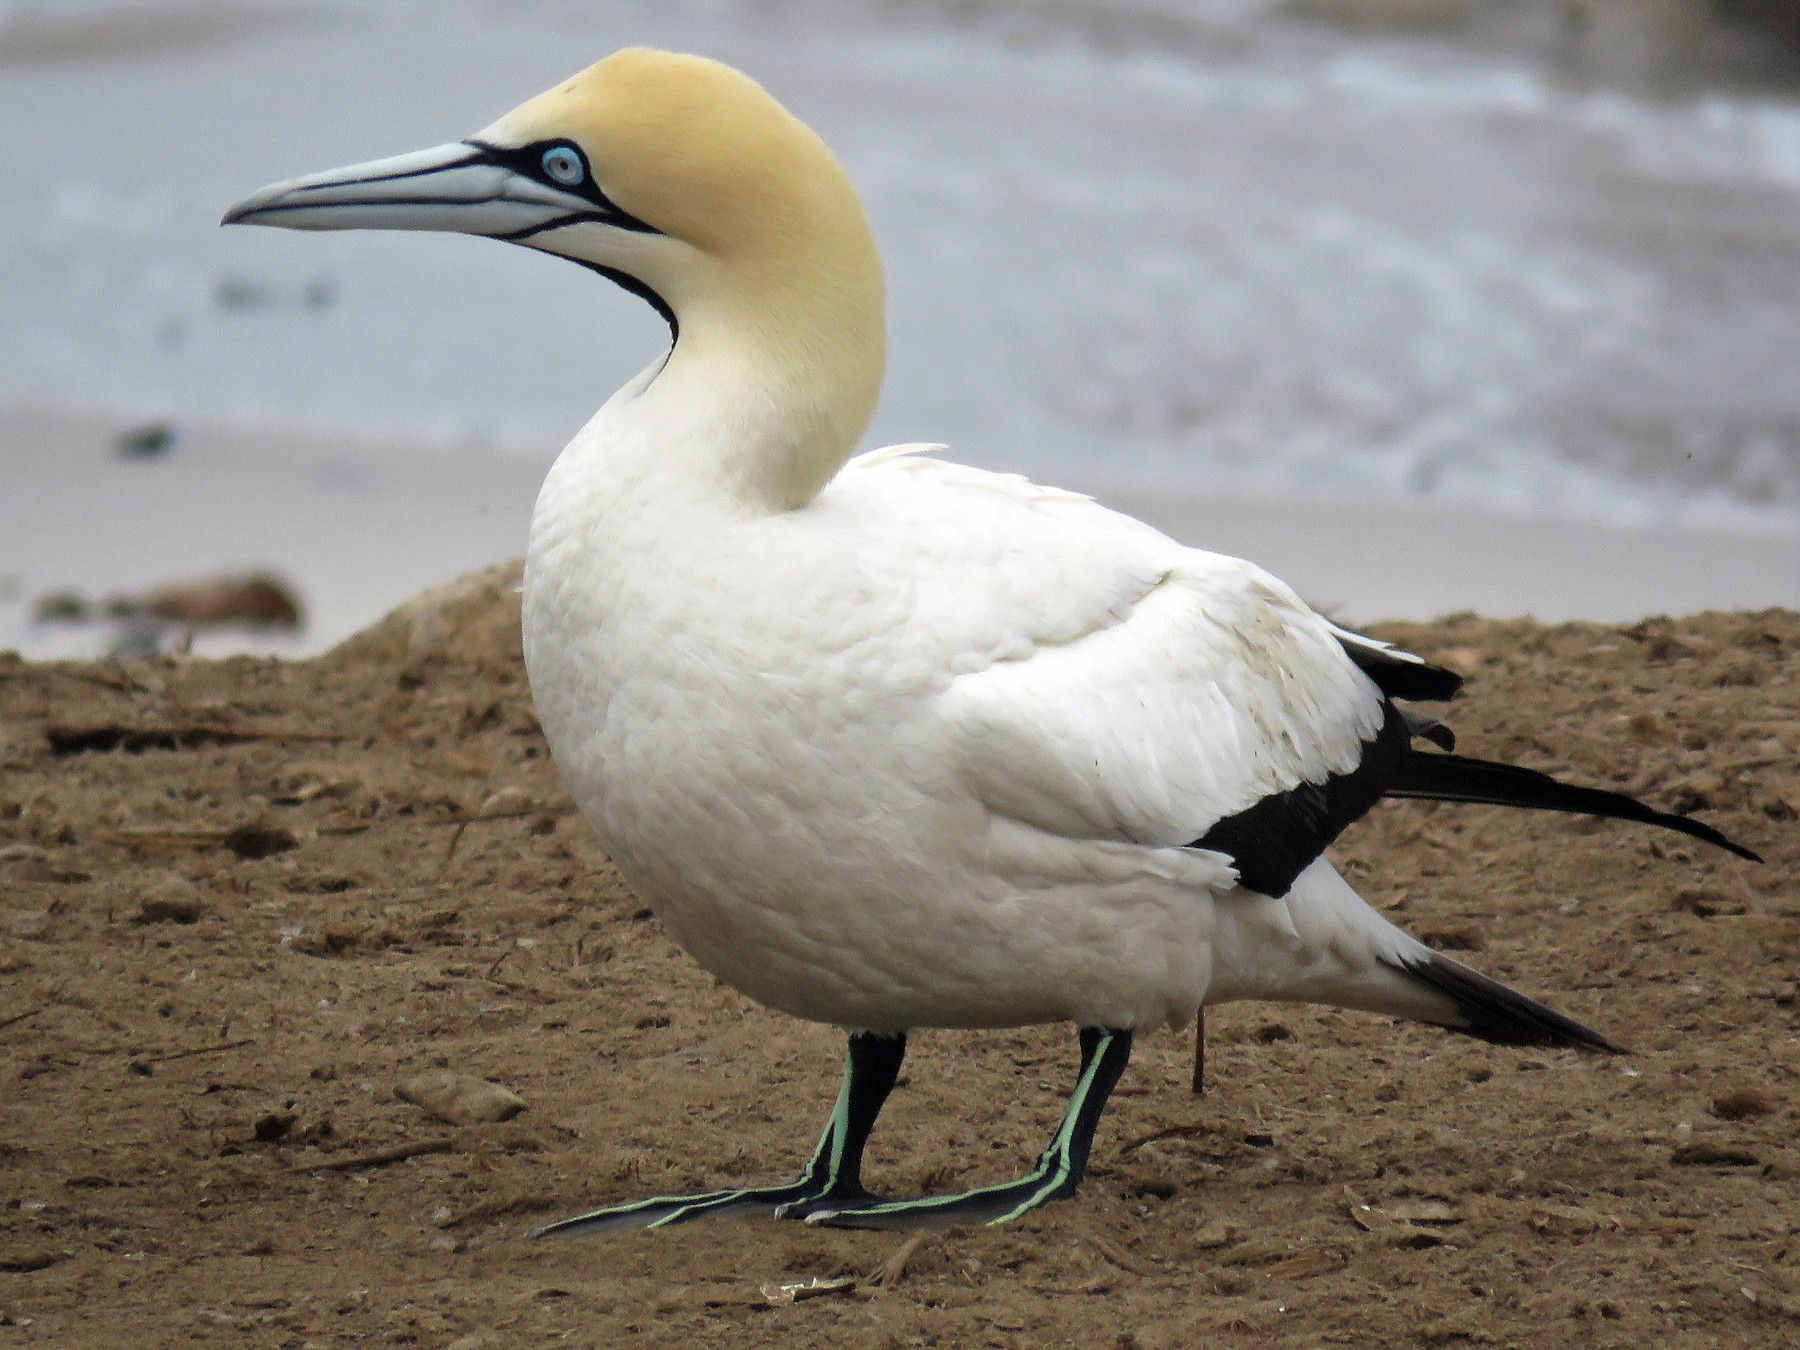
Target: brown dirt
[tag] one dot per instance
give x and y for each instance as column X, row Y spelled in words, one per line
column 286, row 887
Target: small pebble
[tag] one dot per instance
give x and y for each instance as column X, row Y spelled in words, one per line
column 460, row 1099
column 1743, row 1103
column 258, row 839
column 169, row 906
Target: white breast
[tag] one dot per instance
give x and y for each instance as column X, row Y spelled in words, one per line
column 921, row 753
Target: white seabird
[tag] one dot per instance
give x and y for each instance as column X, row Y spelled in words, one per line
column 886, row 741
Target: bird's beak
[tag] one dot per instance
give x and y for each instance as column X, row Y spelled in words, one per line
column 466, row 188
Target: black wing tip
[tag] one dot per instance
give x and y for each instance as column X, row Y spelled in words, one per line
column 1494, row 1013
column 1489, row 782
column 1403, row 676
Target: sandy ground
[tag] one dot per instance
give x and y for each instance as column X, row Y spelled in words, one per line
column 242, row 900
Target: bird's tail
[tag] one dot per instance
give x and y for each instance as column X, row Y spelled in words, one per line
column 1458, row 778
column 1322, row 943
column 1490, row 1011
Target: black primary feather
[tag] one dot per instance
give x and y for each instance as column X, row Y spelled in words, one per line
column 1457, row 778
column 1398, row 677
column 1278, row 838
column 1272, row 842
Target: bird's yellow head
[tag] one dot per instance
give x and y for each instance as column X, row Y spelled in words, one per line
column 694, row 149
column 678, row 177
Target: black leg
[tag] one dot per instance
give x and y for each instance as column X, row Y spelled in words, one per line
column 1059, row 1168
column 831, row 1178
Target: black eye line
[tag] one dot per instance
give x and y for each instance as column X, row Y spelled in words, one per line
column 528, row 160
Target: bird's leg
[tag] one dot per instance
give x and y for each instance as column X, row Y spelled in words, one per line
column 832, row 1177
column 1059, row 1168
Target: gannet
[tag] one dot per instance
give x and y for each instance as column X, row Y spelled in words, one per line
column 885, row 741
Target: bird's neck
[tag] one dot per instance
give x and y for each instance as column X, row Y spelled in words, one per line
column 769, row 386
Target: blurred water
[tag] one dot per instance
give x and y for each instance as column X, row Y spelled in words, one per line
column 1128, row 243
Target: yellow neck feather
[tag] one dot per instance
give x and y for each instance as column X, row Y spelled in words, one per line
column 766, row 257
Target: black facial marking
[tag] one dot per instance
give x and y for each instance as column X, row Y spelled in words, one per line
column 528, row 162
column 625, row 281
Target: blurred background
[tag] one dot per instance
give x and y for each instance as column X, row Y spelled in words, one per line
column 1427, row 305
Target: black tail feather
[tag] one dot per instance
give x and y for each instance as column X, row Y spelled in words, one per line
column 1401, row 675
column 1492, row 1012
column 1423, row 728
column 1457, row 778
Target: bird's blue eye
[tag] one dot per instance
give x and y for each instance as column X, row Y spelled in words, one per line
column 564, row 166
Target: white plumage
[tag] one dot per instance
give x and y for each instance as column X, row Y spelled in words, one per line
column 890, row 742
column 925, row 751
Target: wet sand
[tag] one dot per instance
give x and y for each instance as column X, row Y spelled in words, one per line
column 223, row 950
column 360, row 527
column 357, row 528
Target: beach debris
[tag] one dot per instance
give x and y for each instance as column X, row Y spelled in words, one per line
column 1217, row 1235
column 460, row 1098
column 168, row 617
column 170, row 903
column 798, row 1291
column 16, row 1018
column 1706, row 1154
column 381, row 1157
column 82, row 738
column 141, row 1063
column 1550, row 1217
column 259, row 839
column 256, row 600
column 274, row 1126
column 23, row 1260
column 1407, row 1223
column 1743, row 1103
column 152, row 440
column 1122, row 1259
column 238, row 293
column 891, row 1273
column 61, row 607
column 252, row 840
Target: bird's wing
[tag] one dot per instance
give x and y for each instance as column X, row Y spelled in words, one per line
column 1110, row 684
column 1107, row 683
column 1215, row 698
